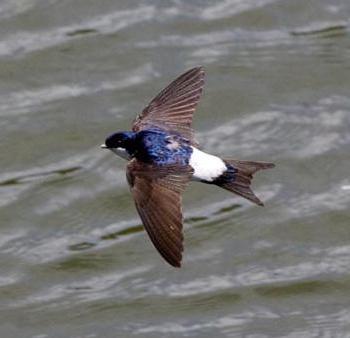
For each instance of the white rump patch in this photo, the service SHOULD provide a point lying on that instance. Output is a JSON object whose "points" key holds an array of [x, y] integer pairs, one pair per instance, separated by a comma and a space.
{"points": [[206, 167]]}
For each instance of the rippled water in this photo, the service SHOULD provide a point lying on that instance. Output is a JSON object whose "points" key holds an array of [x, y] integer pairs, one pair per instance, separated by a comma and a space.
{"points": [[74, 259]]}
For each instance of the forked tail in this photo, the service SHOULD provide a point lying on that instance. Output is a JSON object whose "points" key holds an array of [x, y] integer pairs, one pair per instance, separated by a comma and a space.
{"points": [[239, 176]]}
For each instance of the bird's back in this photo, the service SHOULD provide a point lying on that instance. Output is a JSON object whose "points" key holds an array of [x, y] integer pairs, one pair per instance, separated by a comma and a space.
{"points": [[161, 148]]}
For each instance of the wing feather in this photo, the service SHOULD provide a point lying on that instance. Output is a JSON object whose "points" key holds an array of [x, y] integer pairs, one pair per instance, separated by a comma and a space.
{"points": [[172, 109], [157, 195]]}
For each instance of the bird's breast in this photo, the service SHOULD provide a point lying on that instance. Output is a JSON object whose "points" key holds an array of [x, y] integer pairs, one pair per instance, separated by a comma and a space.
{"points": [[206, 167]]}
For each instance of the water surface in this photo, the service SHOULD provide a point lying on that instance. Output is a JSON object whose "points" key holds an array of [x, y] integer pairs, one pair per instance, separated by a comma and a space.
{"points": [[74, 259]]}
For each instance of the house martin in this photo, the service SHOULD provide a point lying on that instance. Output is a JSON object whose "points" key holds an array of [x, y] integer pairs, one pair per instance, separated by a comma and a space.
{"points": [[163, 157]]}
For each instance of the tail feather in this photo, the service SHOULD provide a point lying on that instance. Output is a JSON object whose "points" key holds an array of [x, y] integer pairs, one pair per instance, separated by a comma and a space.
{"points": [[243, 173]]}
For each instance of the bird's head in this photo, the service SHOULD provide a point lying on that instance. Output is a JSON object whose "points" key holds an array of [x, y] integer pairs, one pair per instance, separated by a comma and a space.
{"points": [[120, 143]]}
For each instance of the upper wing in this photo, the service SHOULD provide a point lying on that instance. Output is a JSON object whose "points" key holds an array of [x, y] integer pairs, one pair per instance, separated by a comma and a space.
{"points": [[172, 109], [157, 195]]}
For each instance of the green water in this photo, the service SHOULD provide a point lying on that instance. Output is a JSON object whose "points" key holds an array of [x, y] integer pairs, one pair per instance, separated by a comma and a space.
{"points": [[74, 259]]}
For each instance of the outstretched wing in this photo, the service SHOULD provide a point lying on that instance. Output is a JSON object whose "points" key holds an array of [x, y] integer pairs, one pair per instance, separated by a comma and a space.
{"points": [[172, 109], [157, 195]]}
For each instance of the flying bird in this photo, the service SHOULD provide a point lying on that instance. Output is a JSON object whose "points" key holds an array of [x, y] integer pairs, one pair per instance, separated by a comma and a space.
{"points": [[163, 157]]}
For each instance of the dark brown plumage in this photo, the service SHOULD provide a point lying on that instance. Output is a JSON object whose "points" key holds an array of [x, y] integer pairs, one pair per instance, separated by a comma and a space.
{"points": [[172, 109], [244, 176], [157, 195]]}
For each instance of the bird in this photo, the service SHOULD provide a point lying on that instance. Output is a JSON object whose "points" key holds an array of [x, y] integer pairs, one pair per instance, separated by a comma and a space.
{"points": [[163, 157]]}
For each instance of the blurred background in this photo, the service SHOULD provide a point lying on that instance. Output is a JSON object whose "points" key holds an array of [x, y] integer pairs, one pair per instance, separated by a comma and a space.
{"points": [[75, 261]]}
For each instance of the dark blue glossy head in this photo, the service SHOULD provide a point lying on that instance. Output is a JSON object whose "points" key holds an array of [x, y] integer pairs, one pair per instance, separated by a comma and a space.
{"points": [[122, 139]]}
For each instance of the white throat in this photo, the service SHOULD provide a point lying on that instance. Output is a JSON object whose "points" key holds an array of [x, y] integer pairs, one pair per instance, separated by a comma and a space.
{"points": [[121, 152]]}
